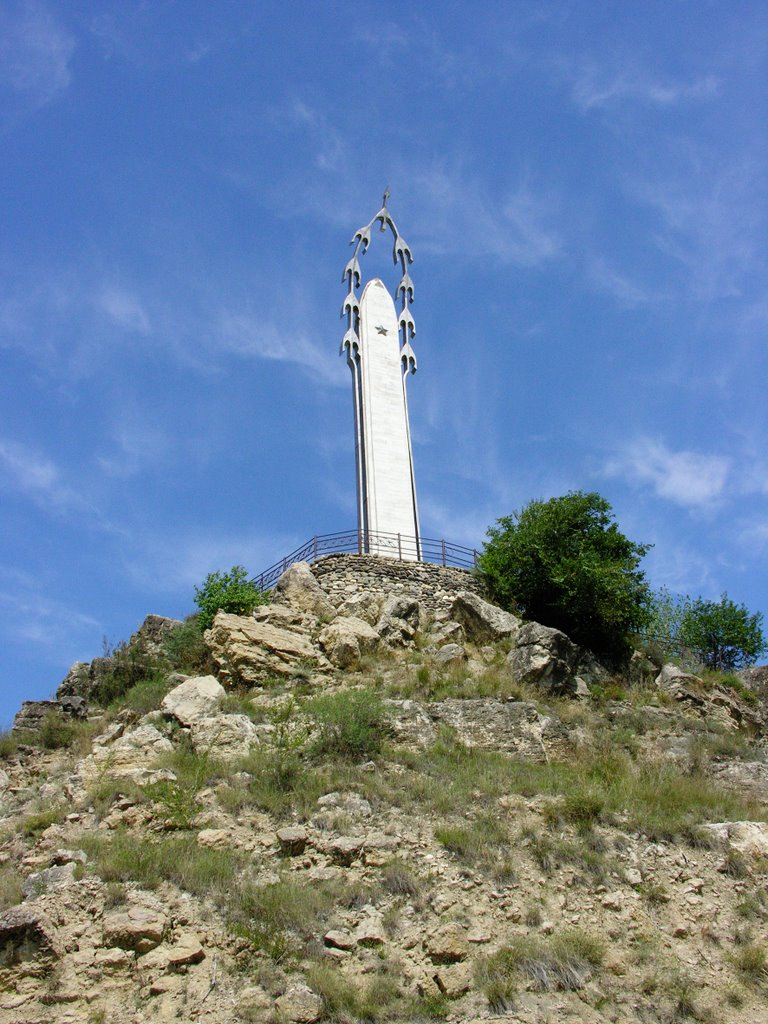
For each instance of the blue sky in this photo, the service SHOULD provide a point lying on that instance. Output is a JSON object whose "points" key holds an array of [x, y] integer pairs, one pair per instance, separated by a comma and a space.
{"points": [[583, 186]]}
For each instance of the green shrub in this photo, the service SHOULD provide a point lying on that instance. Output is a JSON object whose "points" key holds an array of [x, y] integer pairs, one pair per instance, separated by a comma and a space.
{"points": [[563, 962], [723, 634], [564, 563], [229, 592], [144, 696], [351, 724], [8, 744], [185, 646], [122, 667], [10, 886]]}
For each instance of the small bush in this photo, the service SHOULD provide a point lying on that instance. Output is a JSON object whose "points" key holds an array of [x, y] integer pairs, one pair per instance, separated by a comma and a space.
{"points": [[144, 696], [562, 963], [8, 745], [198, 869], [398, 879], [751, 961], [229, 592], [185, 646], [478, 842], [351, 724], [34, 824], [121, 668], [10, 887]]}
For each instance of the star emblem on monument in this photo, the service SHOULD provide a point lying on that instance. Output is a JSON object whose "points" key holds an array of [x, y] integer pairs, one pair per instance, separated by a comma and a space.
{"points": [[382, 330]]}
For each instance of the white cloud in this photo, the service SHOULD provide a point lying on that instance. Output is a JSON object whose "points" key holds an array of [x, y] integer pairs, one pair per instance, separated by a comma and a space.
{"points": [[596, 87], [605, 279], [35, 476], [35, 52], [182, 562], [454, 214], [124, 310], [685, 478], [245, 335]]}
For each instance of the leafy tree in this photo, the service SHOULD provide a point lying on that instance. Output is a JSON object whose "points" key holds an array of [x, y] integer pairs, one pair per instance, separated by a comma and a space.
{"points": [[227, 592], [722, 633], [565, 563]]}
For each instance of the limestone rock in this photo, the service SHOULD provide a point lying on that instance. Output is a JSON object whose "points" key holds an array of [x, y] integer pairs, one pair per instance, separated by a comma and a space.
{"points": [[292, 840], [483, 622], [747, 837], [449, 632], [129, 754], [27, 933], [370, 930], [300, 1005], [338, 939], [365, 605], [299, 588], [253, 1004], [447, 944], [52, 879], [410, 723], [346, 638], [138, 928], [227, 737], [247, 651], [454, 980], [545, 657], [345, 849], [5, 780], [193, 699], [514, 727], [450, 654], [351, 804], [187, 949], [399, 620]]}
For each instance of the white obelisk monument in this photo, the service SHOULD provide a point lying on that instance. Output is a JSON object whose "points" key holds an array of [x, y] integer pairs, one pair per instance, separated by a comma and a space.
{"points": [[377, 345]]}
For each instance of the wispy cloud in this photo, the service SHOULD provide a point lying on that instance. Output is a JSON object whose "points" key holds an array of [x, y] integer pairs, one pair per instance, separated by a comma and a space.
{"points": [[123, 309], [690, 479], [596, 87], [711, 218], [327, 143], [607, 279], [181, 562], [246, 335], [36, 476], [456, 214], [35, 53]]}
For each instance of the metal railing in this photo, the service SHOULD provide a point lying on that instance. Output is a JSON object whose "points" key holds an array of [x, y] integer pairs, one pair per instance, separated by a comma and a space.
{"points": [[368, 542]]}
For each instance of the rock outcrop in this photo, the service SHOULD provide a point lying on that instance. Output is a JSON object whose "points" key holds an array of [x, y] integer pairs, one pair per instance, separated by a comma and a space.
{"points": [[246, 651]]}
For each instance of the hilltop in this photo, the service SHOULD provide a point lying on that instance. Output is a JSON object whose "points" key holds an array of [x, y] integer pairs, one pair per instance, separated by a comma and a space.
{"points": [[381, 798]]}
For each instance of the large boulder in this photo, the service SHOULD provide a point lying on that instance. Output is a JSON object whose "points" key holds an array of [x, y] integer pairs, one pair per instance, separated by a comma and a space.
{"points": [[129, 755], [193, 699], [483, 622], [719, 702], [298, 588], [399, 620], [225, 737], [749, 838], [515, 727], [246, 651], [547, 658], [140, 928], [27, 933], [363, 605], [347, 638]]}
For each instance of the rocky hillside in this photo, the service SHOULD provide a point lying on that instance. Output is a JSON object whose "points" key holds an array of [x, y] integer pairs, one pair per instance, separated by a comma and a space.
{"points": [[352, 807]]}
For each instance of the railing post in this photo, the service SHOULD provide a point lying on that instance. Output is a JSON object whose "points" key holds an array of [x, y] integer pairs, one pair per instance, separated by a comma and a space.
{"points": [[442, 544], [359, 541], [314, 548]]}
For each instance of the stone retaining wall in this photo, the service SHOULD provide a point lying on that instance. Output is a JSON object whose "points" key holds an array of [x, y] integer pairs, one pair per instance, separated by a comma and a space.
{"points": [[341, 576]]}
